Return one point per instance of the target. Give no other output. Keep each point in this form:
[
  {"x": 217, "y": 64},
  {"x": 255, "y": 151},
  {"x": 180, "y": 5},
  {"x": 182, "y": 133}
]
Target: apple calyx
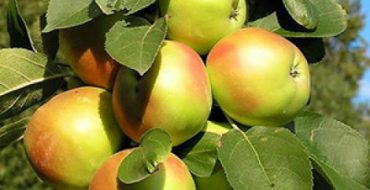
[
  {"x": 234, "y": 11},
  {"x": 294, "y": 72}
]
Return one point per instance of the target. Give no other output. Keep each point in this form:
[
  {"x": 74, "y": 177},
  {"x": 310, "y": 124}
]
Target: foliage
[
  {"x": 335, "y": 82},
  {"x": 335, "y": 79}
]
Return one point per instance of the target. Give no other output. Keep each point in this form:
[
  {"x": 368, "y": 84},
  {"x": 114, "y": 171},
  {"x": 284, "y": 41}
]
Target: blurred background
[{"x": 341, "y": 84}]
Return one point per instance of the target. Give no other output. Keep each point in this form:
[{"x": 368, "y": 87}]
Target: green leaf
[
  {"x": 130, "y": 6},
  {"x": 136, "y": 44},
  {"x": 340, "y": 152},
  {"x": 107, "y": 6},
  {"x": 133, "y": 168},
  {"x": 12, "y": 129},
  {"x": 331, "y": 21},
  {"x": 143, "y": 161},
  {"x": 46, "y": 43},
  {"x": 12, "y": 132},
  {"x": 269, "y": 22},
  {"x": 200, "y": 153},
  {"x": 69, "y": 13},
  {"x": 156, "y": 145},
  {"x": 26, "y": 78},
  {"x": 17, "y": 28},
  {"x": 265, "y": 158},
  {"x": 134, "y": 5},
  {"x": 303, "y": 12}
]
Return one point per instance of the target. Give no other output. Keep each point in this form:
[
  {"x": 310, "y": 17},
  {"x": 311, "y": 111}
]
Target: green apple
[
  {"x": 200, "y": 24},
  {"x": 175, "y": 94},
  {"x": 259, "y": 77},
  {"x": 83, "y": 48},
  {"x": 217, "y": 181},
  {"x": 171, "y": 174},
  {"x": 69, "y": 137}
]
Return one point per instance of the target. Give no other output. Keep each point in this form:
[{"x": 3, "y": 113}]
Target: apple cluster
[{"x": 78, "y": 139}]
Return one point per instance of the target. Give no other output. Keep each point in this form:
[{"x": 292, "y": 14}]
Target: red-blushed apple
[
  {"x": 200, "y": 24},
  {"x": 259, "y": 77},
  {"x": 175, "y": 94},
  {"x": 171, "y": 174},
  {"x": 68, "y": 138},
  {"x": 217, "y": 181},
  {"x": 83, "y": 48}
]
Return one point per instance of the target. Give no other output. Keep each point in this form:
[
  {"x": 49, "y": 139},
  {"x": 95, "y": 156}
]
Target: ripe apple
[
  {"x": 258, "y": 77},
  {"x": 83, "y": 48},
  {"x": 175, "y": 95},
  {"x": 172, "y": 174},
  {"x": 200, "y": 24},
  {"x": 69, "y": 137}
]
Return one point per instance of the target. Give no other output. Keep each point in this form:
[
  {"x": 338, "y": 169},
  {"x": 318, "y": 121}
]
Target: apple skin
[
  {"x": 83, "y": 48},
  {"x": 69, "y": 137},
  {"x": 200, "y": 24},
  {"x": 172, "y": 174},
  {"x": 217, "y": 181},
  {"x": 258, "y": 77},
  {"x": 175, "y": 94}
]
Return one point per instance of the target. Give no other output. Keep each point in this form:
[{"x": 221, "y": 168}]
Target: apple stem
[{"x": 151, "y": 167}]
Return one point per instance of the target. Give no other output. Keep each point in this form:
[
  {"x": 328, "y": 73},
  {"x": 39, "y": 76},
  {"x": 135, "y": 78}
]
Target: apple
[
  {"x": 259, "y": 77},
  {"x": 200, "y": 24},
  {"x": 171, "y": 174},
  {"x": 69, "y": 137},
  {"x": 83, "y": 48},
  {"x": 217, "y": 181},
  {"x": 175, "y": 94}
]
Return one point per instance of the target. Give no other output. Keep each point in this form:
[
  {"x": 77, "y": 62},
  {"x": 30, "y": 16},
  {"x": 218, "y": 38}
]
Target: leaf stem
[{"x": 231, "y": 122}]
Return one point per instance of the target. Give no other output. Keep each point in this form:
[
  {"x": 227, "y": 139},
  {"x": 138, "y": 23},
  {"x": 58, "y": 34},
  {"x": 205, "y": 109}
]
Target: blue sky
[{"x": 364, "y": 91}]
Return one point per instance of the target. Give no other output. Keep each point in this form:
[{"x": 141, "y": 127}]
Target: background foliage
[{"x": 334, "y": 82}]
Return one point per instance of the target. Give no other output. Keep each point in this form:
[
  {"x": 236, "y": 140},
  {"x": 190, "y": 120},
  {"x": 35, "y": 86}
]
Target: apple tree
[{"x": 213, "y": 93}]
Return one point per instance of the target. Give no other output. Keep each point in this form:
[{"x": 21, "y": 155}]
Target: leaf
[
  {"x": 303, "y": 12},
  {"x": 12, "y": 129},
  {"x": 156, "y": 145},
  {"x": 270, "y": 23},
  {"x": 69, "y": 13},
  {"x": 17, "y": 28},
  {"x": 46, "y": 43},
  {"x": 200, "y": 153},
  {"x": 133, "y": 168},
  {"x": 331, "y": 21},
  {"x": 130, "y": 6},
  {"x": 12, "y": 132},
  {"x": 26, "y": 78},
  {"x": 107, "y": 6},
  {"x": 340, "y": 153},
  {"x": 265, "y": 158},
  {"x": 136, "y": 45},
  {"x": 154, "y": 149},
  {"x": 135, "y": 5}
]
